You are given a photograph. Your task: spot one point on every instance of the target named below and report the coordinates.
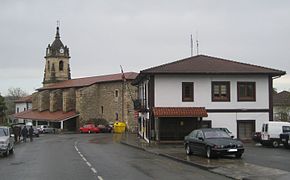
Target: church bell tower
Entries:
(57, 62)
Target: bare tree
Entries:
(2, 110)
(16, 93)
(13, 95)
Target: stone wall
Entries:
(87, 103)
(69, 100)
(35, 101)
(55, 100)
(43, 100)
(111, 103)
(60, 75)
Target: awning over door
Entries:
(179, 112)
(46, 115)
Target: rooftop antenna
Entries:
(191, 46)
(197, 50)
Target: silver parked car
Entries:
(46, 129)
(6, 140)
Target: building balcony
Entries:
(140, 105)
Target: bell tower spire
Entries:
(57, 61)
(57, 36)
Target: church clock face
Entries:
(61, 50)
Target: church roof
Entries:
(46, 115)
(87, 81)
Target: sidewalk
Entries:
(229, 167)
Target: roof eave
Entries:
(218, 73)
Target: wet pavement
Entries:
(227, 166)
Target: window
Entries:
(17, 110)
(246, 91)
(48, 65)
(102, 109)
(116, 93)
(286, 129)
(220, 91)
(199, 135)
(61, 65)
(187, 91)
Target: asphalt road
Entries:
(91, 156)
(278, 158)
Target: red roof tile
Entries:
(46, 115)
(24, 99)
(87, 81)
(202, 64)
(179, 112)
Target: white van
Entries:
(271, 131)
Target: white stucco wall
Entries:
(168, 91)
(229, 120)
(22, 106)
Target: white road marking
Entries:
(93, 169)
(87, 162)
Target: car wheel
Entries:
(275, 144)
(11, 150)
(208, 152)
(238, 155)
(5, 154)
(188, 150)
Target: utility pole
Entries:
(123, 94)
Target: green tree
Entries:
(3, 109)
(13, 95)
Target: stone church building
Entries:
(67, 103)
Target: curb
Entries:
(169, 156)
(177, 159)
(186, 162)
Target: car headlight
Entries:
(240, 145)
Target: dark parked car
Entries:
(105, 128)
(212, 143)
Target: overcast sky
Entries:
(104, 34)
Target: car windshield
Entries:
(215, 134)
(3, 132)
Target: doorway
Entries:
(245, 128)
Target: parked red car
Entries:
(89, 128)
